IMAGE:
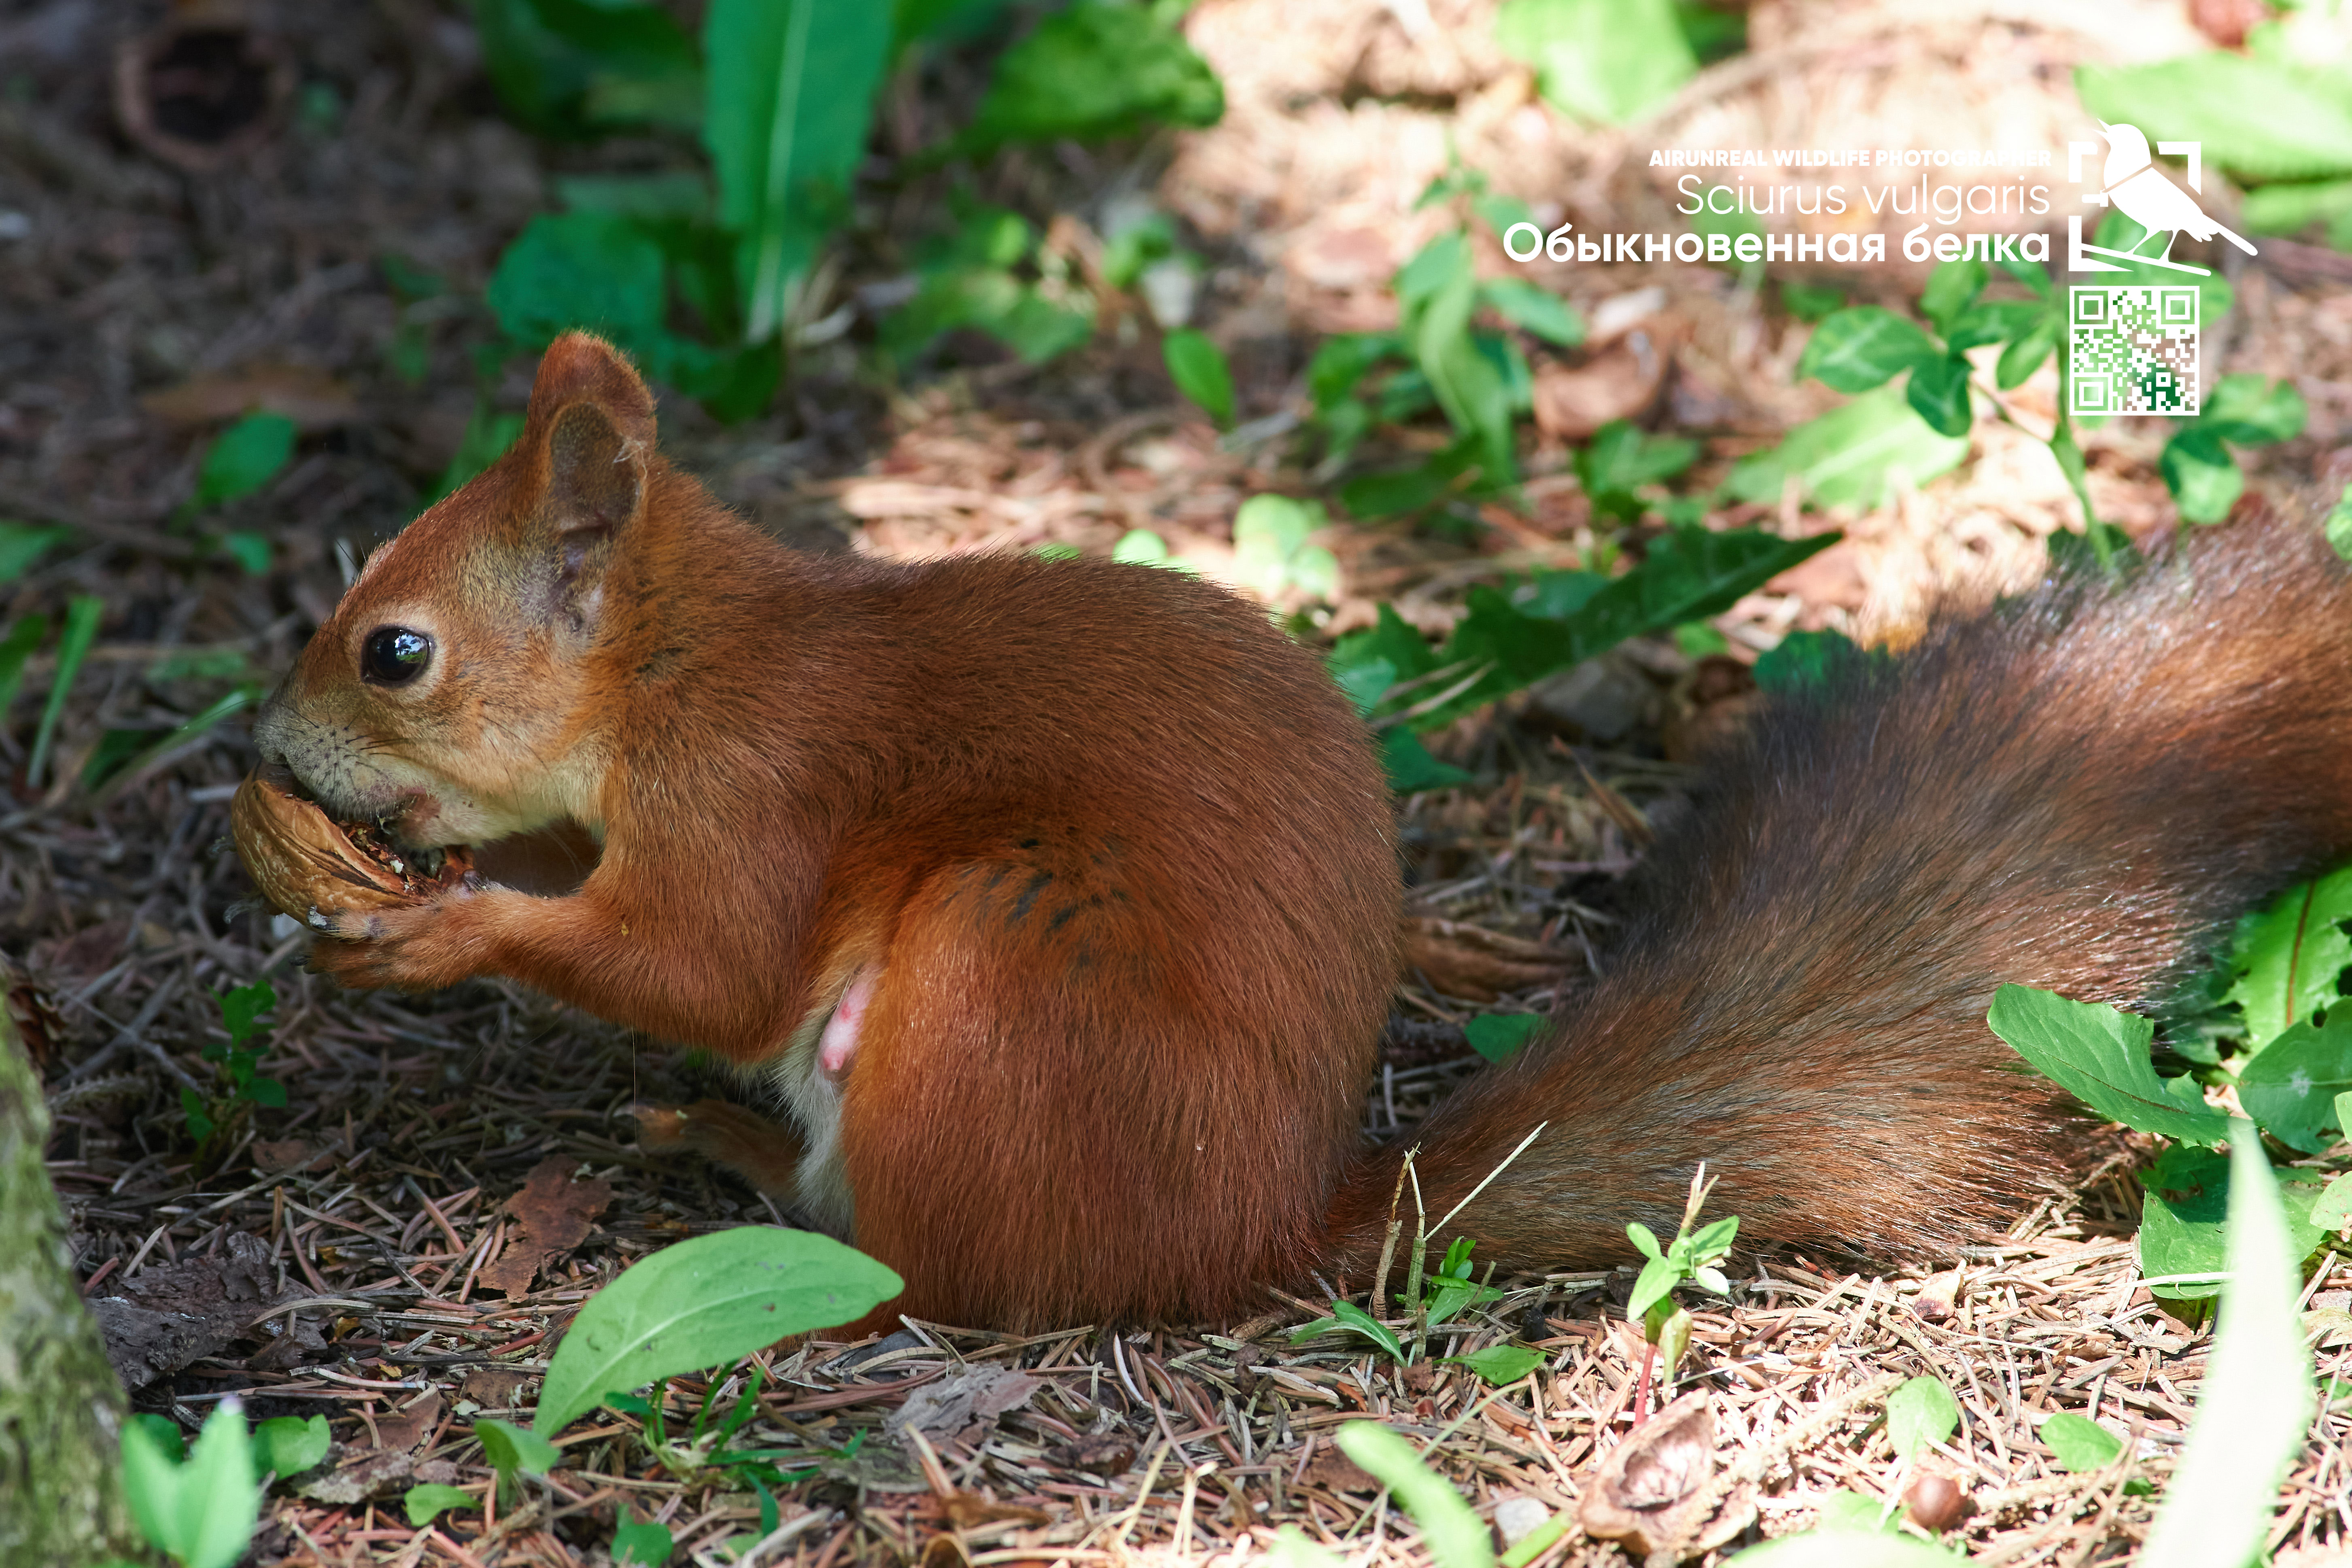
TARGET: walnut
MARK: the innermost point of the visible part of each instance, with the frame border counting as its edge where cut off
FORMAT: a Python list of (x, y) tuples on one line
[(303, 860)]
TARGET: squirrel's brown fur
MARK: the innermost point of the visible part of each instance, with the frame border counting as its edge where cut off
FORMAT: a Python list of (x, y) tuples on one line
[(1058, 899)]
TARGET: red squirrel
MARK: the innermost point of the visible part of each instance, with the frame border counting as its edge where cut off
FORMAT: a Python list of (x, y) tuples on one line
[(1057, 901)]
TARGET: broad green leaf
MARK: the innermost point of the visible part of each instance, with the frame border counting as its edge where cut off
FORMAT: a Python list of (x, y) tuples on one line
[(1535, 308), (1810, 302), (1340, 361), (2202, 476), (1389, 650), (2251, 412), (2256, 1398), (1347, 1318), (1410, 769), (428, 1501), (1140, 547), (587, 269), (2186, 1199), (244, 457), (247, 548), (2081, 1443), (1994, 322), (2261, 119), (703, 1302), (2101, 1056), (1497, 1036), (1919, 1415), (1854, 455), (1847, 1546), (202, 1511), (22, 544), (642, 1542), (2290, 1086), (83, 615), (2333, 1211), (289, 1445), (509, 1448), (239, 1009), (1951, 288), (1605, 61), (1645, 1240), (1198, 367), (1455, 1536), (1938, 394), (786, 109), (1847, 1509), (565, 68), (1499, 1364), (2289, 957), (1656, 1281), (2029, 351), (1621, 458), (1092, 72), (1467, 385), (1861, 347)]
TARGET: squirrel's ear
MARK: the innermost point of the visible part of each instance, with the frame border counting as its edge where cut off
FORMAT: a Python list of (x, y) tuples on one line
[(596, 420)]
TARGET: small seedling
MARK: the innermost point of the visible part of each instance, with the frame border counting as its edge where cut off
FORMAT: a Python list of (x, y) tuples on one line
[(239, 1057), (202, 1511), (1694, 1258)]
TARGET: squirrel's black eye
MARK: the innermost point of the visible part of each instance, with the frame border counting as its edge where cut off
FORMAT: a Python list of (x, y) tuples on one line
[(394, 656)]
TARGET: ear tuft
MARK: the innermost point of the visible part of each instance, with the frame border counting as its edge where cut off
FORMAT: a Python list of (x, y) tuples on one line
[(581, 368)]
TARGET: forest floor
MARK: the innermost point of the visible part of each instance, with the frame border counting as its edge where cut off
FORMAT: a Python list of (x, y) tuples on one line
[(379, 1250)]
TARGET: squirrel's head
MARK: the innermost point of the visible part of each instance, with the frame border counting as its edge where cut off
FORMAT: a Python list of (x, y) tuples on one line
[(451, 696)]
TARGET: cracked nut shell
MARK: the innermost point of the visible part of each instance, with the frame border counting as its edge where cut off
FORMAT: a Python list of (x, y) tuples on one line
[(302, 859)]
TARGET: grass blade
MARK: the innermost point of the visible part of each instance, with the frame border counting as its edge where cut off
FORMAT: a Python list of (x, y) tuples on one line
[(81, 628)]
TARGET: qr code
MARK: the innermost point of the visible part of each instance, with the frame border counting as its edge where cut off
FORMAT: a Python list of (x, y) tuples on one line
[(2132, 350)]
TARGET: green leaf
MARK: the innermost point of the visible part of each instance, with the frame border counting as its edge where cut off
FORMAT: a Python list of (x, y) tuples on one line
[(202, 1511), (785, 116), (1606, 61), (2249, 412), (2186, 1199), (1439, 294), (1534, 307), (1341, 361), (1689, 573), (82, 614), (2100, 1055), (1348, 1318), (428, 1502), (2081, 1445), (2261, 119), (1497, 1036), (681, 195), (1654, 1284), (1455, 1536), (1919, 1415), (2215, 296), (1140, 547), (1499, 1364), (509, 1448), (2256, 1398), (1621, 459), (24, 543), (1863, 347), (588, 270), (1270, 554), (249, 548), (1198, 367), (989, 300), (289, 1445), (2201, 475), (565, 67), (1847, 1509), (1410, 769), (1089, 73), (642, 1542), (2290, 1086), (703, 1302), (1993, 322), (1810, 302), (1846, 1546), (2338, 524), (1854, 455), (244, 457), (1535, 1543), (1951, 288), (1645, 1241), (1291, 1549), (2333, 1211), (1938, 394), (2029, 351), (2286, 209), (239, 1007)]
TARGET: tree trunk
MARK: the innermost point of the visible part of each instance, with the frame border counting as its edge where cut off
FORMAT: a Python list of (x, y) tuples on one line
[(61, 1408)]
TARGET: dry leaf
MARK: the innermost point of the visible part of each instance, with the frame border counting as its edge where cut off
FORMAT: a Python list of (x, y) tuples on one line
[(1652, 1490), (1475, 963), (310, 397), (404, 1430), (1621, 381), (555, 1212)]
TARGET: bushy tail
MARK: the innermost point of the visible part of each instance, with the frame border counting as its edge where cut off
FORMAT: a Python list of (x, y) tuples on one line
[(2074, 789)]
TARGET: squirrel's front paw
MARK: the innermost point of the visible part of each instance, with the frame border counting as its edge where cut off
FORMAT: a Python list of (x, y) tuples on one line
[(421, 947)]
